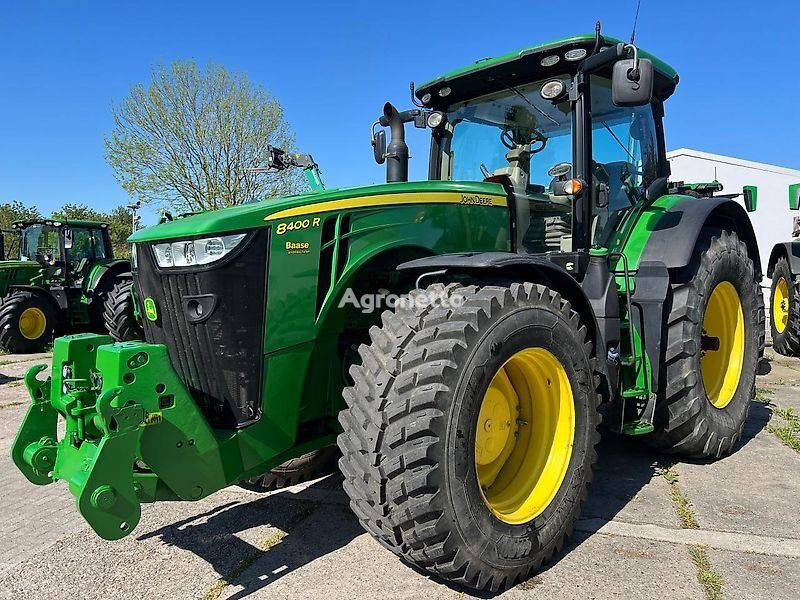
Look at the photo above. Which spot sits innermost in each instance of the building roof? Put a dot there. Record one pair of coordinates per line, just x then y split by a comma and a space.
730, 160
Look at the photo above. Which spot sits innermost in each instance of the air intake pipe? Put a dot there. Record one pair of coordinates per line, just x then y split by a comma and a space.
397, 151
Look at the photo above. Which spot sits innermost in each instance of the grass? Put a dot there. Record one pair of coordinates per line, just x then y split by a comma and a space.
11, 404
763, 395
711, 581
683, 506
789, 432
257, 552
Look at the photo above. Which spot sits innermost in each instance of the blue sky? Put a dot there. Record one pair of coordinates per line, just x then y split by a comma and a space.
334, 64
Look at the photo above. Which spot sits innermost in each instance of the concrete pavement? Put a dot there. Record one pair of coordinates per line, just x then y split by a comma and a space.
632, 542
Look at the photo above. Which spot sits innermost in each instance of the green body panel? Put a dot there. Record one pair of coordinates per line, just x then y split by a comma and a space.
19, 272
101, 268
251, 215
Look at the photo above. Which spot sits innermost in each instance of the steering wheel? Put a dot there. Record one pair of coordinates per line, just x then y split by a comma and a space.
508, 139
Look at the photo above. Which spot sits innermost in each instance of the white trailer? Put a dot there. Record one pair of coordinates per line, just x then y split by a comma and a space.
772, 220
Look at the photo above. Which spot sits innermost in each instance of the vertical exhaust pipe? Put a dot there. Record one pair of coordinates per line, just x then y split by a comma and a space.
397, 150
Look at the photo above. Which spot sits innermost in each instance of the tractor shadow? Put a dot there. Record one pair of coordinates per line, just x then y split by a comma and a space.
4, 379
254, 540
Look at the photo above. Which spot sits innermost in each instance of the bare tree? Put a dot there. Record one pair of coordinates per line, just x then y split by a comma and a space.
191, 137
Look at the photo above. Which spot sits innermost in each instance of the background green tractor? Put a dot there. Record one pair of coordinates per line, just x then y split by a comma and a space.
784, 269
545, 273
60, 276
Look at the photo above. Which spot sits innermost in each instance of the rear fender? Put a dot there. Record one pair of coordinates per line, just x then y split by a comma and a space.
788, 250
672, 239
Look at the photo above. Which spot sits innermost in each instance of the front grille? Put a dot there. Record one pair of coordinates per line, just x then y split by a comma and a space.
219, 356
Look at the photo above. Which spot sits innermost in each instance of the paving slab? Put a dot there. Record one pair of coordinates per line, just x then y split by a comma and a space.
178, 550
626, 486
754, 490
749, 576
303, 542
602, 566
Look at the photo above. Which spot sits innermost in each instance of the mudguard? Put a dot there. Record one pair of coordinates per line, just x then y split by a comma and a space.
791, 250
672, 238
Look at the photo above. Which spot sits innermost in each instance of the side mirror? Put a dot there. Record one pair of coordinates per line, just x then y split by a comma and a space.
794, 196
68, 238
750, 193
379, 146
632, 82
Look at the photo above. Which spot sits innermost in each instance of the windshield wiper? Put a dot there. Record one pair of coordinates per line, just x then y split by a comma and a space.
511, 88
621, 145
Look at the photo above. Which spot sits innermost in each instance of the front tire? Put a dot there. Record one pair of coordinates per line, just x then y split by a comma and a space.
785, 310
119, 315
27, 322
714, 330
423, 476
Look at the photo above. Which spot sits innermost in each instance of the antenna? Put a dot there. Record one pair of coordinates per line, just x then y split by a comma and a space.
635, 20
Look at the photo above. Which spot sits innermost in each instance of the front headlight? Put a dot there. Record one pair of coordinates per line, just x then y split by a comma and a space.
187, 253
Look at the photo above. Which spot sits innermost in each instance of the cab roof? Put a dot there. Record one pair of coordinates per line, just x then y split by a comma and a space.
524, 66
59, 223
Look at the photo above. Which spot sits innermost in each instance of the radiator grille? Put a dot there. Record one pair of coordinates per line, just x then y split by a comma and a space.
220, 358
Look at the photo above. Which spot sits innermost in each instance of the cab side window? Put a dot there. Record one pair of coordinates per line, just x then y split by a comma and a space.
625, 153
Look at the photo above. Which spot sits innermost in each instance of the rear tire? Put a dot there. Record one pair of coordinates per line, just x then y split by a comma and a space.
305, 467
118, 313
785, 310
705, 402
27, 322
413, 471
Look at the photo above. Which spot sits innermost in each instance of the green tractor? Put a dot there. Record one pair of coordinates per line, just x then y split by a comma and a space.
61, 275
545, 273
784, 269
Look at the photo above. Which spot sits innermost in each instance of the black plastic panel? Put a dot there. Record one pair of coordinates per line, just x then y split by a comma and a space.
219, 355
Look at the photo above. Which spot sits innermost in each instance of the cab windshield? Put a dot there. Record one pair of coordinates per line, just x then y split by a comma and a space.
40, 243
518, 135
485, 129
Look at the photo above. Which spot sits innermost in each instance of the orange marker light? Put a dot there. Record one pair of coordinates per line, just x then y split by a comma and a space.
573, 187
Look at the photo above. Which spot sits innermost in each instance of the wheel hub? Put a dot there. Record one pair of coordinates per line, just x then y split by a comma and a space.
32, 323
780, 305
722, 344
524, 434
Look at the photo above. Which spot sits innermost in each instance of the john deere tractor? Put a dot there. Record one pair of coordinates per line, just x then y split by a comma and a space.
784, 269
546, 272
61, 276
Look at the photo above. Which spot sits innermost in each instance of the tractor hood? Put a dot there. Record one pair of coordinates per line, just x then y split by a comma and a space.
6, 265
258, 214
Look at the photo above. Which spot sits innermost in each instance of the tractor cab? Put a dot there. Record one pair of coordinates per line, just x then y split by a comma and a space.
571, 129
65, 249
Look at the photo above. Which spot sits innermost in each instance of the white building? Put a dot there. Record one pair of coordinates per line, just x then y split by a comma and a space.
772, 220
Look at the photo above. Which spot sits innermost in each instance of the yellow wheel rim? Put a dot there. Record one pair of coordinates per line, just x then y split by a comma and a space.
32, 323
780, 305
722, 344
524, 437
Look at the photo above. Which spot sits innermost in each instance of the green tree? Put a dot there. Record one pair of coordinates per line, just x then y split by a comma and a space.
16, 211
191, 137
